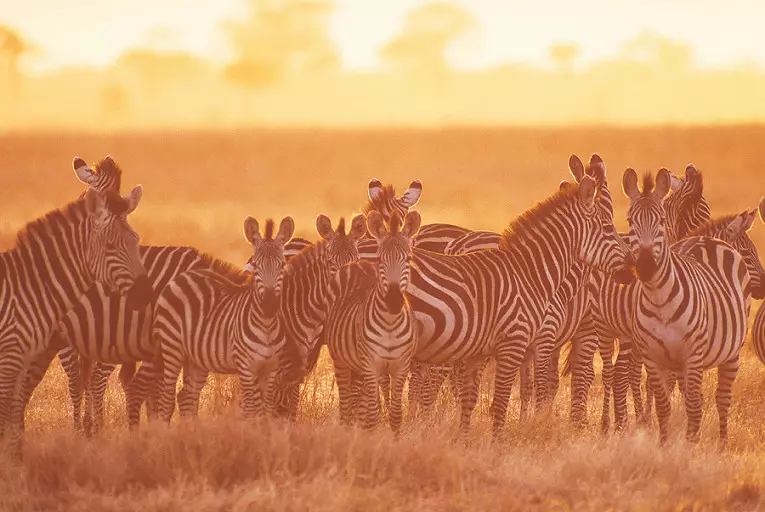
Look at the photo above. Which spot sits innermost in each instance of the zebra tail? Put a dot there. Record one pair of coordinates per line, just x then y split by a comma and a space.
566, 370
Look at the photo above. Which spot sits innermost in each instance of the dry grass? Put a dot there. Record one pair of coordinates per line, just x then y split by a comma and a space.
199, 187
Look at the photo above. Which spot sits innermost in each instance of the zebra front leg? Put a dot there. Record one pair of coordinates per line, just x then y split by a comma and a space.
583, 346
621, 386
635, 383
369, 410
397, 391
345, 391
70, 363
470, 378
35, 374
194, 379
171, 369
657, 378
509, 355
693, 397
144, 387
553, 378
94, 398
726, 374
606, 348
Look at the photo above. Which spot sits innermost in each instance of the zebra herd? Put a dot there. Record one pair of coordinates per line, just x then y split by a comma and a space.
392, 300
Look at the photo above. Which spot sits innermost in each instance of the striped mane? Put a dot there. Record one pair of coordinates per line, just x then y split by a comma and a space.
388, 194
110, 167
51, 222
226, 270
713, 226
529, 220
648, 185
269, 234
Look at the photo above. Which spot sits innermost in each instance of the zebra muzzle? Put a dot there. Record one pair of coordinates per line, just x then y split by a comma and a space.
141, 294
645, 265
270, 303
394, 299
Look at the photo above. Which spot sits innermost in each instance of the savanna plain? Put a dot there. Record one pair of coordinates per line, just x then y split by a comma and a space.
199, 187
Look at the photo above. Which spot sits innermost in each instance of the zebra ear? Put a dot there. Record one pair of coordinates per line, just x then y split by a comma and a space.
576, 167
663, 184
587, 189
83, 171
564, 185
739, 225
630, 184
412, 195
324, 227
690, 172
252, 230
375, 189
762, 209
376, 225
411, 224
133, 198
286, 230
358, 227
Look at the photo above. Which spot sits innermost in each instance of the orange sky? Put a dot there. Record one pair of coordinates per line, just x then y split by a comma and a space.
94, 32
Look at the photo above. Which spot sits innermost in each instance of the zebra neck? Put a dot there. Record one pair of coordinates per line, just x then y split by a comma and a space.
660, 287
50, 271
304, 292
377, 308
539, 264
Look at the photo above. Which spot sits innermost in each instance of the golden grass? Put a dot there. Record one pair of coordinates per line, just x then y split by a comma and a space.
198, 189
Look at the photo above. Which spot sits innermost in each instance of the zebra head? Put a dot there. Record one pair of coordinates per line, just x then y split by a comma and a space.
342, 248
600, 247
597, 170
394, 254
383, 199
686, 208
647, 220
267, 261
106, 176
735, 232
111, 247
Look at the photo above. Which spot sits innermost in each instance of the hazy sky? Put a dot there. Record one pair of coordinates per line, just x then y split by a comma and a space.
92, 32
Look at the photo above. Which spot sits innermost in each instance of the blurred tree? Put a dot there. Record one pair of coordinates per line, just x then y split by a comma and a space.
427, 34
659, 51
12, 48
564, 55
281, 38
115, 104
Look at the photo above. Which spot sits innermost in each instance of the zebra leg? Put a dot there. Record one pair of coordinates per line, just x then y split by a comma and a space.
385, 388
345, 391
693, 396
635, 382
553, 379
369, 403
397, 390
657, 377
622, 383
583, 346
606, 348
69, 360
35, 374
194, 379
470, 379
509, 355
527, 382
726, 374
95, 395
171, 370
143, 387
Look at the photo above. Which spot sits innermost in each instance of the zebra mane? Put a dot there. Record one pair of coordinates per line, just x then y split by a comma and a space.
232, 273
648, 184
714, 225
109, 166
45, 226
530, 219
308, 256
269, 235
388, 193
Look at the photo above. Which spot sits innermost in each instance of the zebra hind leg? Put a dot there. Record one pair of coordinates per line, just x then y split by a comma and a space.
95, 395
70, 363
527, 385
509, 356
726, 374
194, 379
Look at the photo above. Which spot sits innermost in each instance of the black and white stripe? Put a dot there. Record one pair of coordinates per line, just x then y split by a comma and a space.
758, 328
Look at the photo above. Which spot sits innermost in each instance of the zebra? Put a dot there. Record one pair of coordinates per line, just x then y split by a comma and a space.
101, 326
206, 321
491, 303
562, 318
691, 305
370, 329
56, 258
304, 288
758, 327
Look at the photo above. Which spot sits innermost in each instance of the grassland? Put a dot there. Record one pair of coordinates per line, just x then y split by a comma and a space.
198, 189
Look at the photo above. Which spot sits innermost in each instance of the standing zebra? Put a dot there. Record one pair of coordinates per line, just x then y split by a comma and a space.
758, 328
56, 259
491, 303
691, 305
370, 329
206, 321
